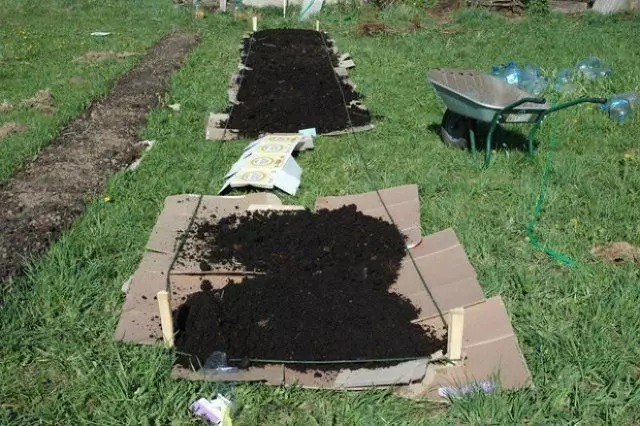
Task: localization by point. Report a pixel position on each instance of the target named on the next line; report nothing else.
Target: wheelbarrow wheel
(455, 129)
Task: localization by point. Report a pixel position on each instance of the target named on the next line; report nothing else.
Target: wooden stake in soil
(317, 25)
(255, 23)
(455, 333)
(164, 304)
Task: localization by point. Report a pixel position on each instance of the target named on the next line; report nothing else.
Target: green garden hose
(536, 213)
(545, 178)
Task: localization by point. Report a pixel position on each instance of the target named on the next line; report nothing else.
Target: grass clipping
(617, 253)
(105, 55)
(8, 129)
(41, 101)
(375, 28)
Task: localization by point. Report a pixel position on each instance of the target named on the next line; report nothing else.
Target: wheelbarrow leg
(489, 146)
(472, 140)
(531, 151)
(532, 134)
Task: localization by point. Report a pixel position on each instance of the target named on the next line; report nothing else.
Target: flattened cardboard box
(138, 320)
(490, 346)
(216, 128)
(268, 163)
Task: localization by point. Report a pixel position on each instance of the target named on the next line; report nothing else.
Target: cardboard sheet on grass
(216, 129)
(490, 348)
(268, 163)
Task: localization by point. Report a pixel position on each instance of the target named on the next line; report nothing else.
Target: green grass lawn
(41, 46)
(579, 328)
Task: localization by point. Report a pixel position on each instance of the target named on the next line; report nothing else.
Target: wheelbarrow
(474, 96)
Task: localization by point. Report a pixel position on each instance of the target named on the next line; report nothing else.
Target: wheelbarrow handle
(559, 107)
(536, 100)
(538, 121)
(522, 101)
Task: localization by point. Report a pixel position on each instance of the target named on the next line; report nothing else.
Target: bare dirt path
(50, 193)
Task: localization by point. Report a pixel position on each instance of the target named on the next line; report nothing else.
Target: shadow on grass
(511, 139)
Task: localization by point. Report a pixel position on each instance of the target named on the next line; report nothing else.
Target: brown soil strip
(47, 196)
(323, 293)
(444, 9)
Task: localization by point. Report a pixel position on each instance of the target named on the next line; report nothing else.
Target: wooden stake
(284, 8)
(164, 305)
(317, 25)
(255, 23)
(455, 333)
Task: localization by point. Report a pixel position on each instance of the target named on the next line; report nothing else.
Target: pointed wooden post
(166, 319)
(455, 334)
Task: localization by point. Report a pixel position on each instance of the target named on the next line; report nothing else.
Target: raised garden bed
(288, 83)
(318, 291)
(273, 285)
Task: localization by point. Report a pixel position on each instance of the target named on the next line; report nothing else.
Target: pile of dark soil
(292, 86)
(321, 292)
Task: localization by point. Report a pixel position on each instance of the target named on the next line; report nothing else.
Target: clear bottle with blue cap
(622, 105)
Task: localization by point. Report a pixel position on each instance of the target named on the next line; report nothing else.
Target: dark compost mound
(321, 292)
(292, 86)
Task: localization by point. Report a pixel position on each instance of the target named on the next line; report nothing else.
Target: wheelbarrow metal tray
(480, 96)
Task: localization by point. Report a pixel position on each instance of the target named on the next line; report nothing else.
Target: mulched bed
(320, 292)
(292, 86)
(50, 193)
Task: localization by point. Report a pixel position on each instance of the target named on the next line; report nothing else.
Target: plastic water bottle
(532, 81)
(509, 72)
(512, 73)
(563, 83)
(199, 14)
(593, 68)
(633, 98)
(529, 78)
(619, 109)
(621, 106)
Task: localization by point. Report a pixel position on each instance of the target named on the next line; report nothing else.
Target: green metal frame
(497, 118)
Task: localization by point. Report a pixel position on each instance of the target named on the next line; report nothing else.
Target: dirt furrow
(50, 193)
